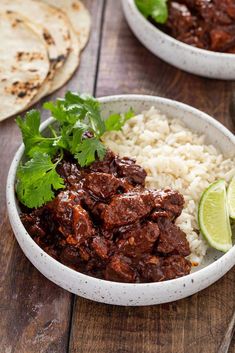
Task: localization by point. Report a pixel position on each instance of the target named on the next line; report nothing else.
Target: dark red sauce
(206, 24)
(106, 224)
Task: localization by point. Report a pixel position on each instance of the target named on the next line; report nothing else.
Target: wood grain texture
(196, 324)
(226, 343)
(35, 313)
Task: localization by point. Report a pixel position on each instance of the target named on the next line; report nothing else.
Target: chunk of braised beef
(73, 221)
(168, 203)
(126, 185)
(127, 208)
(69, 255)
(180, 19)
(86, 200)
(102, 185)
(107, 225)
(104, 166)
(32, 225)
(157, 269)
(97, 209)
(150, 269)
(175, 266)
(229, 6)
(139, 240)
(172, 239)
(127, 168)
(120, 269)
(222, 39)
(84, 252)
(202, 23)
(70, 172)
(61, 210)
(101, 247)
(51, 250)
(82, 226)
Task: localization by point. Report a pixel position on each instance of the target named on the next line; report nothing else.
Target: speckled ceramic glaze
(197, 61)
(216, 264)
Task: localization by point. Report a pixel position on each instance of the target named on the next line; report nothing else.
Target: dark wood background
(39, 317)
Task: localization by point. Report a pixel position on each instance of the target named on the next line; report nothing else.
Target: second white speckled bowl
(216, 264)
(183, 56)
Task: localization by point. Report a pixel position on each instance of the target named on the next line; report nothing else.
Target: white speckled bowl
(216, 264)
(183, 56)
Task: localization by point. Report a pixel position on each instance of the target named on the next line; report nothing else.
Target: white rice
(173, 156)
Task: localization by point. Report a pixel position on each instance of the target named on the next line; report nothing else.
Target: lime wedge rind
(231, 198)
(213, 217)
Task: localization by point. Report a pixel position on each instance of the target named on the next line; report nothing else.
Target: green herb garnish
(37, 179)
(156, 9)
(76, 117)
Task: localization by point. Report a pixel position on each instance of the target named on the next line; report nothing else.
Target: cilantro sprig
(79, 128)
(156, 9)
(37, 180)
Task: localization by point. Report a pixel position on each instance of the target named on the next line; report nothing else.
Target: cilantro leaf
(87, 150)
(116, 121)
(30, 128)
(78, 130)
(157, 9)
(57, 110)
(37, 180)
(75, 107)
(32, 138)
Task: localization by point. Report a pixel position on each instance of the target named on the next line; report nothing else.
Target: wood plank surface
(193, 325)
(35, 313)
(39, 317)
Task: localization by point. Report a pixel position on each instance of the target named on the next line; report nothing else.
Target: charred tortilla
(52, 26)
(24, 64)
(79, 19)
(78, 16)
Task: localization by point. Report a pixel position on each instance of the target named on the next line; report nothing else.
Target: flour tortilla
(65, 72)
(51, 24)
(58, 75)
(46, 85)
(79, 30)
(24, 64)
(78, 15)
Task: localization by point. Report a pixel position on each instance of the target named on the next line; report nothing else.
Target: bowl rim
(12, 206)
(209, 53)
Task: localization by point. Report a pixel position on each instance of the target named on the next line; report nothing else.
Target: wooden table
(39, 317)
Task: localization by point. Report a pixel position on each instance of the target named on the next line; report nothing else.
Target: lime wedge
(231, 198)
(213, 216)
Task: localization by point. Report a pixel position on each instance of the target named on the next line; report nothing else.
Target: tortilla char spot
(75, 6)
(19, 55)
(60, 58)
(22, 89)
(48, 38)
(15, 22)
(29, 56)
(21, 94)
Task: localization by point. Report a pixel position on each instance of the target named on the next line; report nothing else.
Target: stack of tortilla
(41, 41)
